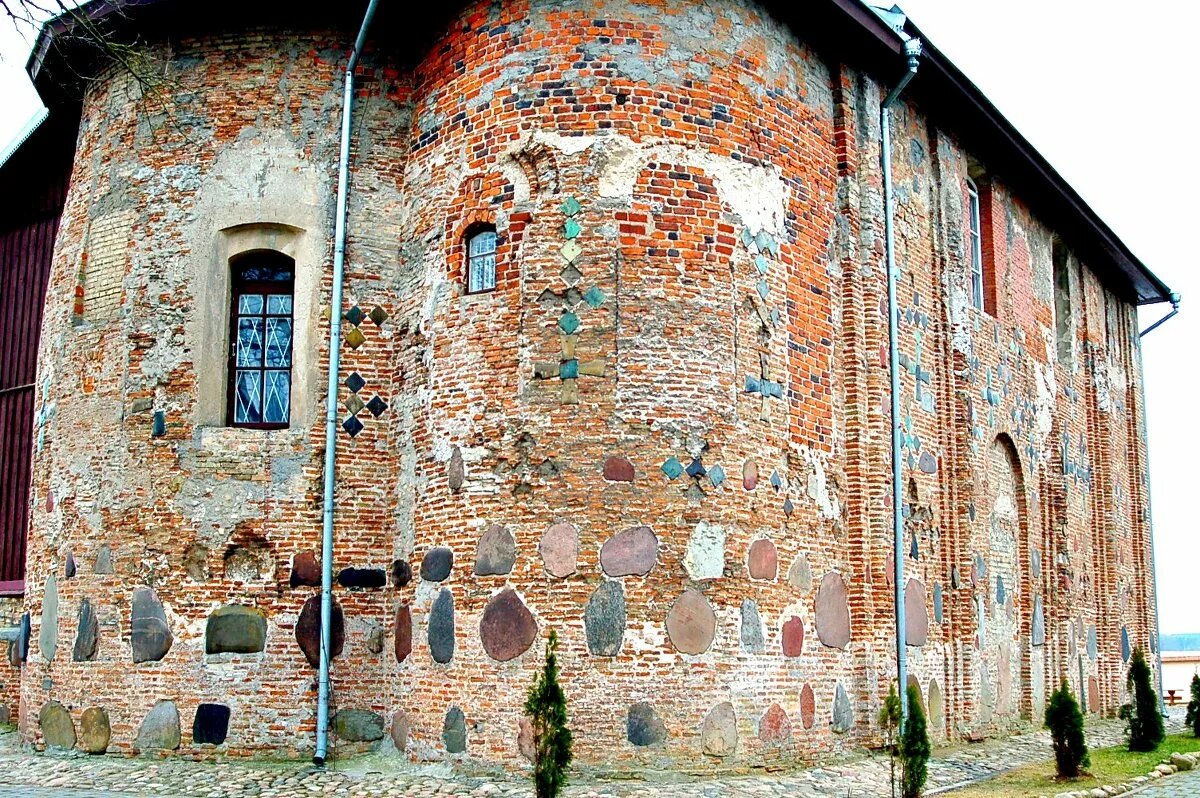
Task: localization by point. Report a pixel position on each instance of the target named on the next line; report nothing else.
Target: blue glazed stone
(353, 426)
(571, 206)
(763, 289)
(716, 475)
(569, 323)
(1038, 634)
(672, 468)
(160, 424)
(355, 382)
(788, 507)
(928, 463)
(776, 480)
(355, 315)
(747, 236)
(761, 263)
(377, 406)
(571, 229)
(594, 297)
(752, 384)
(774, 389)
(569, 369)
(696, 469)
(764, 241)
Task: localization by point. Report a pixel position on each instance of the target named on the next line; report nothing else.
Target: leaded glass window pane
(481, 262)
(260, 377)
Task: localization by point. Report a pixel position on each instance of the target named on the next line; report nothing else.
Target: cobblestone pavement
(31, 775)
(1183, 785)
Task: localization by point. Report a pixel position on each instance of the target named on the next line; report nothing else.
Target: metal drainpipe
(912, 50)
(1175, 299)
(331, 399)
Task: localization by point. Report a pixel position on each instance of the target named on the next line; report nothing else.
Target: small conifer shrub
(546, 708)
(889, 722)
(1065, 722)
(914, 748)
(1193, 711)
(1143, 720)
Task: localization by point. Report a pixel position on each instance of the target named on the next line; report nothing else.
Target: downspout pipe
(331, 399)
(912, 51)
(1175, 300)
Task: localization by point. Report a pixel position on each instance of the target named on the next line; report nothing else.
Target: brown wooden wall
(33, 187)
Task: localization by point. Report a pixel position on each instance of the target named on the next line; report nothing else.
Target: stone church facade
(614, 363)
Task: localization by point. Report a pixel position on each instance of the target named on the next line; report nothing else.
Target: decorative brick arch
(485, 199)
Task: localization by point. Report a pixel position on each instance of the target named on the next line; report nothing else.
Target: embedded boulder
(916, 617)
(48, 633)
(718, 735)
(211, 724)
(496, 553)
(104, 564)
(402, 573)
(691, 623)
(454, 731)
(441, 627)
(436, 564)
(643, 727)
(833, 611)
(456, 472)
(559, 548)
(1038, 632)
(87, 634)
(358, 725)
(793, 637)
(94, 731)
(160, 728)
(705, 556)
(774, 727)
(750, 475)
(752, 632)
(843, 713)
(58, 730)
(306, 570)
(404, 633)
(308, 630)
(799, 575)
(808, 706)
(631, 552)
(507, 627)
(362, 577)
(937, 716)
(618, 469)
(763, 560)
(150, 635)
(604, 619)
(400, 728)
(235, 629)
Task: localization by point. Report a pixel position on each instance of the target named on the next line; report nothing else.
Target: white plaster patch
(818, 484)
(705, 557)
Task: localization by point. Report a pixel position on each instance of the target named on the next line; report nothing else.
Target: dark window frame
(469, 260)
(241, 285)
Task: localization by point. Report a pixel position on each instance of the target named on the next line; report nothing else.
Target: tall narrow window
(481, 259)
(260, 361)
(975, 236)
(1064, 327)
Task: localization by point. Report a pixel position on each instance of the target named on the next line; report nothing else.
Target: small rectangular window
(481, 261)
(975, 242)
(260, 367)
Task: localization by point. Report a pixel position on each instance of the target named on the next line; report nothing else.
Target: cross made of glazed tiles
(568, 370)
(764, 387)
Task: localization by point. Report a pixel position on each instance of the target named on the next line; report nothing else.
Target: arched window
(976, 244)
(260, 351)
(481, 259)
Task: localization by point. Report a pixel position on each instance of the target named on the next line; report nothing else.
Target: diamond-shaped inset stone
(569, 369)
(594, 297)
(765, 242)
(354, 404)
(354, 315)
(776, 480)
(763, 288)
(570, 251)
(696, 468)
(352, 425)
(569, 322)
(355, 338)
(355, 382)
(572, 229)
(788, 507)
(761, 263)
(747, 236)
(571, 275)
(571, 206)
(672, 468)
(378, 315)
(377, 406)
(716, 475)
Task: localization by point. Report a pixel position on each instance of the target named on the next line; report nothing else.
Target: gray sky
(1105, 91)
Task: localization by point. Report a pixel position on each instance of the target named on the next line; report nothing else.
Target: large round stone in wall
(437, 564)
(308, 630)
(58, 730)
(159, 729)
(643, 726)
(496, 553)
(94, 731)
(150, 635)
(774, 727)
(235, 629)
(916, 617)
(630, 553)
(691, 623)
(559, 548)
(507, 628)
(718, 735)
(833, 611)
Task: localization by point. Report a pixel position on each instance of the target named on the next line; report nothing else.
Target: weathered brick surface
(730, 211)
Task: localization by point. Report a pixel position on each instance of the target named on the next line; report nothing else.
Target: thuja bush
(1065, 722)
(889, 723)
(1143, 720)
(546, 708)
(914, 748)
(1193, 711)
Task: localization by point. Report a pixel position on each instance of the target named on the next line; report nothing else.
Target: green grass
(1109, 766)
